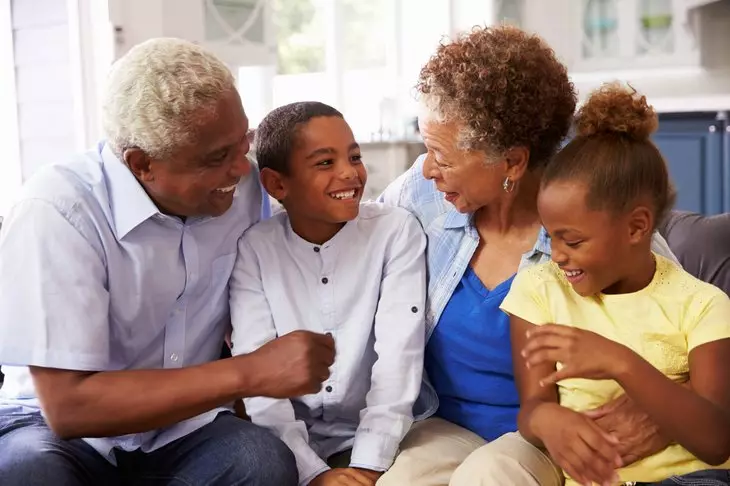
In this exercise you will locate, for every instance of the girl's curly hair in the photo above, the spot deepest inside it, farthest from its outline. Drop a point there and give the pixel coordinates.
(506, 88)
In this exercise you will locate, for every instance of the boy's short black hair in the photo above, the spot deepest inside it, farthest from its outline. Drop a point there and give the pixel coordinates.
(276, 134)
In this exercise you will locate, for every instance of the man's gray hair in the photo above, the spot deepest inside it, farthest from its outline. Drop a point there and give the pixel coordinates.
(157, 91)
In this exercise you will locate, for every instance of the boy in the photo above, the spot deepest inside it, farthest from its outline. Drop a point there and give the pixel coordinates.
(330, 264)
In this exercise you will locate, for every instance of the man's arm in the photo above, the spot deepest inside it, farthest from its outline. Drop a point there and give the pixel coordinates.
(399, 343)
(54, 309)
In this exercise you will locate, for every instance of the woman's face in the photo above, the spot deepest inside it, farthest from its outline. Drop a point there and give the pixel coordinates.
(468, 179)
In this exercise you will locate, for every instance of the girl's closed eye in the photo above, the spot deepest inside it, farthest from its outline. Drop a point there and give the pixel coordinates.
(573, 244)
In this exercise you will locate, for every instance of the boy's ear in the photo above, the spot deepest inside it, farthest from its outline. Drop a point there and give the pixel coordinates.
(273, 183)
(641, 224)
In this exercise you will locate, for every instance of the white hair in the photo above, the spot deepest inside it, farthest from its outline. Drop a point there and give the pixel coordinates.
(430, 112)
(157, 91)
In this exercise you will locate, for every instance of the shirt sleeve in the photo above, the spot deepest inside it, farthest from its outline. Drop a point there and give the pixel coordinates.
(399, 343)
(253, 326)
(713, 319)
(525, 300)
(54, 305)
(393, 194)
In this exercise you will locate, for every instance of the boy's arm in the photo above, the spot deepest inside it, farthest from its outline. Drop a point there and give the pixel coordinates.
(253, 326)
(399, 344)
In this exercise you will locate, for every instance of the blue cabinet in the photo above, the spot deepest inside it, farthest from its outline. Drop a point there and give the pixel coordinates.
(696, 147)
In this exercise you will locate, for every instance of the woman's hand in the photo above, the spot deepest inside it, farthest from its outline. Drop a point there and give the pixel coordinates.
(346, 476)
(582, 354)
(584, 451)
(638, 436)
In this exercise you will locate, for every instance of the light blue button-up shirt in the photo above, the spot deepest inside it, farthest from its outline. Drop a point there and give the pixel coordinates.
(94, 278)
(452, 241)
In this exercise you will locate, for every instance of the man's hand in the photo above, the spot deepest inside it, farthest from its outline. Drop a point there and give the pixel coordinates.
(293, 365)
(348, 476)
(638, 437)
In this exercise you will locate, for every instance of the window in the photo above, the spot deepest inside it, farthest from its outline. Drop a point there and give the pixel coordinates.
(362, 57)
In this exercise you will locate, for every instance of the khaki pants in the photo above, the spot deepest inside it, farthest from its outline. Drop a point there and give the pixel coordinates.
(438, 453)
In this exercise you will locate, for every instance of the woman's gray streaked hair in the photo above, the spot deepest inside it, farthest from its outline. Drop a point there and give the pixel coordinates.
(157, 91)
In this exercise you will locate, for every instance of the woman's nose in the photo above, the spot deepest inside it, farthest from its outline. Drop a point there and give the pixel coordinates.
(430, 171)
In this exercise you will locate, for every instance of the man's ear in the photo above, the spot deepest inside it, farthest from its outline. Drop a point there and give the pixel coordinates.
(641, 224)
(274, 183)
(139, 163)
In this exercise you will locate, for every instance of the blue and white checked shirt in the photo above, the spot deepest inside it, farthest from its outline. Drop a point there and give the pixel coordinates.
(94, 278)
(452, 241)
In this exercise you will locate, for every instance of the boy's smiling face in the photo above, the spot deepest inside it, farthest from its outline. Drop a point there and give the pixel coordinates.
(326, 179)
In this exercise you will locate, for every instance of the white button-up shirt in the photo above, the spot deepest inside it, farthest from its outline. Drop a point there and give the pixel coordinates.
(367, 288)
(94, 278)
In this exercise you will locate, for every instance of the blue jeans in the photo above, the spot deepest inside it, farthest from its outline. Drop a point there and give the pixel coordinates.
(710, 477)
(228, 451)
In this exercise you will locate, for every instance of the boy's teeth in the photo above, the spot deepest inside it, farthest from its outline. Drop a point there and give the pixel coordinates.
(344, 194)
(226, 189)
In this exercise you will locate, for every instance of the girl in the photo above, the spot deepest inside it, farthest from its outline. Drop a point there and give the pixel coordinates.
(607, 316)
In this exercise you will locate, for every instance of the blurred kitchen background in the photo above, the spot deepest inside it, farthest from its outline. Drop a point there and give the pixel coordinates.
(363, 57)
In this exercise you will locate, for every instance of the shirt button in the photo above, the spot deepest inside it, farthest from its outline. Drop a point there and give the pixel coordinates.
(414, 309)
(173, 356)
(325, 280)
(316, 249)
(328, 389)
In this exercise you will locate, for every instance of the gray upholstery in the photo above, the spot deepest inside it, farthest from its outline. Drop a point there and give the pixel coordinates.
(701, 244)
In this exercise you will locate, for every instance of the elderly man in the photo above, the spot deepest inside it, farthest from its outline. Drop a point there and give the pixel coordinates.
(114, 273)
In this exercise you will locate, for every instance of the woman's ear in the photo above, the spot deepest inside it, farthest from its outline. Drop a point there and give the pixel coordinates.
(274, 183)
(518, 160)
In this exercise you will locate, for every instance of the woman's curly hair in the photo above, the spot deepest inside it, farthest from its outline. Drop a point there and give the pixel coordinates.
(506, 88)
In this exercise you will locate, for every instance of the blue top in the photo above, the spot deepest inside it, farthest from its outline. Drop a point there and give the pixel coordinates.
(469, 360)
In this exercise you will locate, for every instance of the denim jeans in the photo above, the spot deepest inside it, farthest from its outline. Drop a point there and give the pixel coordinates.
(710, 477)
(229, 451)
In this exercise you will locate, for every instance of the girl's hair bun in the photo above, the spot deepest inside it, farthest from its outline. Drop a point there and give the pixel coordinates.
(616, 109)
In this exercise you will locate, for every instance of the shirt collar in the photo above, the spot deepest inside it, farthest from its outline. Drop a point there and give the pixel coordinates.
(340, 238)
(455, 219)
(130, 204)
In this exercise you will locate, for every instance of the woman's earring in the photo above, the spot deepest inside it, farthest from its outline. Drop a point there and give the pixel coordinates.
(508, 185)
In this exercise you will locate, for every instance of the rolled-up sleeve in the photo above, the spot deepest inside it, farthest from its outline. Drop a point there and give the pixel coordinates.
(399, 343)
(54, 304)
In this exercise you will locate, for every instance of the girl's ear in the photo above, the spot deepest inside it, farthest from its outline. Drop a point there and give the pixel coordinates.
(641, 224)
(274, 183)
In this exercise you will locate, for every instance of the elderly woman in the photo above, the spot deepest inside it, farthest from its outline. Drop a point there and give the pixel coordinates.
(497, 104)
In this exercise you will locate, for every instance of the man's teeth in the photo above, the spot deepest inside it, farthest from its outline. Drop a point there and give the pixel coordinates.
(344, 194)
(573, 273)
(226, 189)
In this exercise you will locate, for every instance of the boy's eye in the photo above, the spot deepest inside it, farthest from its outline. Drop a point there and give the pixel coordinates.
(356, 158)
(325, 162)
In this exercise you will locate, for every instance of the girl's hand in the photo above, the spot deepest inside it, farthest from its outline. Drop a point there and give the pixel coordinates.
(584, 451)
(582, 354)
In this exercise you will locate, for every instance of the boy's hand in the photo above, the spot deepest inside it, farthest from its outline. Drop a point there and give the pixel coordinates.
(577, 445)
(582, 354)
(347, 476)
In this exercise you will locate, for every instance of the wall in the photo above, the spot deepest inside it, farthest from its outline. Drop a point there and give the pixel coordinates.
(43, 76)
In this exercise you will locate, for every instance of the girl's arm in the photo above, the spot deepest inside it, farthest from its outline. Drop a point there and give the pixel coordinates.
(696, 418)
(573, 440)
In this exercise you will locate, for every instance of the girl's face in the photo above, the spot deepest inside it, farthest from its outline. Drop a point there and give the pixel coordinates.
(598, 250)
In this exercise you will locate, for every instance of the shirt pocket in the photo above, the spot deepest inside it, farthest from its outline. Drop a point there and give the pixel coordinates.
(667, 352)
